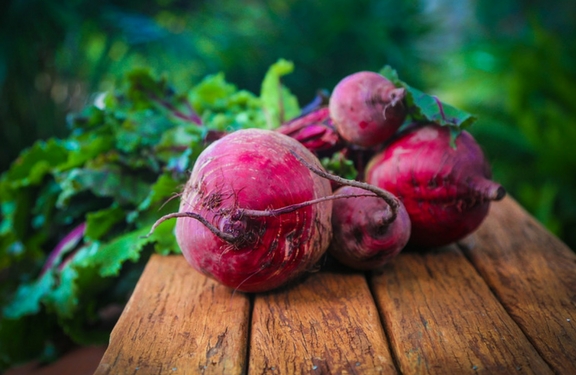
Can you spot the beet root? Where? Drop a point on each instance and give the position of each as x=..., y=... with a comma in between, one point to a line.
x=315, y=131
x=364, y=238
x=366, y=108
x=447, y=191
x=233, y=233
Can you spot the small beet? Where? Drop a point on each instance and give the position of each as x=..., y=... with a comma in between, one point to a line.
x=364, y=238
x=367, y=109
x=446, y=190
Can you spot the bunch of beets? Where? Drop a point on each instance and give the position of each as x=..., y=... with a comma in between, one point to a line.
x=259, y=210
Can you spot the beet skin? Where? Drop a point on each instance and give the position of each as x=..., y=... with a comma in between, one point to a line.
x=367, y=108
x=364, y=239
x=446, y=190
x=234, y=184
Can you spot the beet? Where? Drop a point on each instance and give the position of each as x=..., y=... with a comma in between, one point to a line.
x=366, y=108
x=229, y=227
x=256, y=211
x=315, y=131
x=364, y=238
x=446, y=190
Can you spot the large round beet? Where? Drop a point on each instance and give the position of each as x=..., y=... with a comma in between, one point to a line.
x=446, y=190
x=235, y=186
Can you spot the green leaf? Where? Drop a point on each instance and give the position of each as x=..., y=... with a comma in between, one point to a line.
x=117, y=171
x=109, y=181
x=144, y=89
x=28, y=297
x=223, y=107
x=424, y=107
x=340, y=165
x=164, y=238
x=142, y=129
x=14, y=229
x=166, y=187
x=99, y=223
x=88, y=119
x=428, y=108
x=92, y=268
x=85, y=148
x=278, y=103
x=44, y=206
x=176, y=145
x=212, y=92
x=16, y=213
x=108, y=257
x=34, y=163
x=63, y=299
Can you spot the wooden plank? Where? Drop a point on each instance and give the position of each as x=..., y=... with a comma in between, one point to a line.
x=178, y=321
x=326, y=325
x=441, y=318
x=533, y=274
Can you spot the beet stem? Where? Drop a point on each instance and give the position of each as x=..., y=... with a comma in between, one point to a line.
x=397, y=95
x=247, y=212
x=222, y=235
x=66, y=244
x=297, y=206
x=389, y=198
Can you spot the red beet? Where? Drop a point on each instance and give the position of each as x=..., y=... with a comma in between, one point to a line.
x=446, y=190
x=367, y=108
x=231, y=225
x=364, y=238
x=315, y=131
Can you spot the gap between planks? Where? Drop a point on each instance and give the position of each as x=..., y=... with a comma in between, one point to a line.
x=447, y=310
x=533, y=275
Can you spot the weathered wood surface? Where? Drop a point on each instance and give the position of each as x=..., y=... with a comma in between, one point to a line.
x=442, y=318
x=502, y=301
x=533, y=274
x=178, y=321
x=325, y=325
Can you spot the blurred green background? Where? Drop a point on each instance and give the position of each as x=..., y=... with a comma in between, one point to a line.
x=511, y=62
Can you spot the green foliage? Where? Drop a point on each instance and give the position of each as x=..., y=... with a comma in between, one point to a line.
x=113, y=165
x=523, y=88
x=542, y=104
x=55, y=55
x=422, y=107
x=340, y=165
x=92, y=198
x=283, y=105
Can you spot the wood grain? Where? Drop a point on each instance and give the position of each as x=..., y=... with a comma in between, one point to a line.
x=178, y=321
x=442, y=318
x=534, y=276
x=502, y=301
x=326, y=325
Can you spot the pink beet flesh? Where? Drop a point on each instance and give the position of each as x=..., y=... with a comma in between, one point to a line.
x=366, y=108
x=253, y=169
x=363, y=239
x=446, y=191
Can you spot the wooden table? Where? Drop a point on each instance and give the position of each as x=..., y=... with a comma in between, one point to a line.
x=503, y=301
